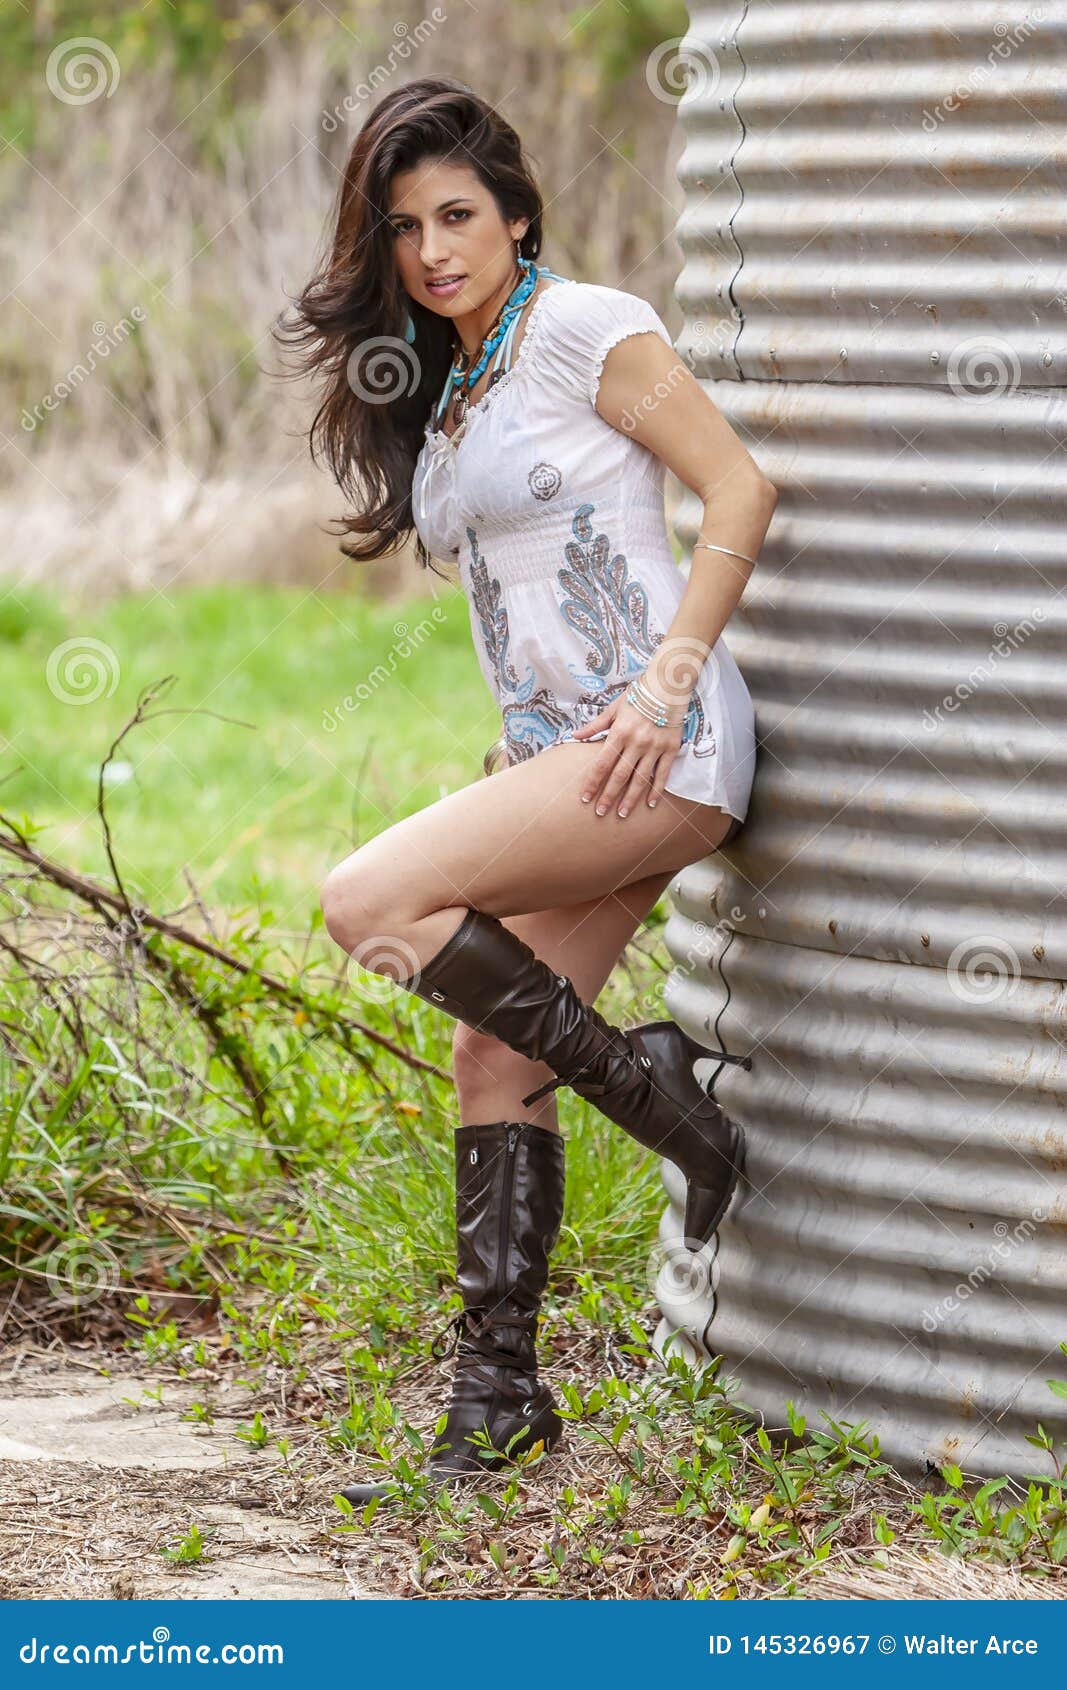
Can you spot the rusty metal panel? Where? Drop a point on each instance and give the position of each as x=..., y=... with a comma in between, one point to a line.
x=893, y=913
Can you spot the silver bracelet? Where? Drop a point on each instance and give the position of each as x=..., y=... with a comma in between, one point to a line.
x=729, y=550
x=651, y=697
x=657, y=718
x=644, y=700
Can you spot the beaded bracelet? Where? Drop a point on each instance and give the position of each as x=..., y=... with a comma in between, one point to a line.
x=654, y=700
x=659, y=721
x=653, y=708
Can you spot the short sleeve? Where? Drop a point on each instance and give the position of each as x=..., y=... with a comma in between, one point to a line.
x=589, y=322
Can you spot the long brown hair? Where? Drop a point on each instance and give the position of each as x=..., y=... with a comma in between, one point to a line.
x=351, y=316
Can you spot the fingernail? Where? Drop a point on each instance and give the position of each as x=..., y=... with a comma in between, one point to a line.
x=652, y=803
x=585, y=797
x=624, y=812
x=600, y=809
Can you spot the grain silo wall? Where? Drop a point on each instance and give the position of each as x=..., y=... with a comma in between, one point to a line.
x=875, y=289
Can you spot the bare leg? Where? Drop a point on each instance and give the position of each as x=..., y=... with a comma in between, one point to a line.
x=515, y=844
x=583, y=941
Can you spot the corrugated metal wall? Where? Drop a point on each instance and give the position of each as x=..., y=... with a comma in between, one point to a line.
x=875, y=283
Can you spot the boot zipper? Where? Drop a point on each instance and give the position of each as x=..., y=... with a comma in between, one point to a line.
x=507, y=1197
x=505, y=1210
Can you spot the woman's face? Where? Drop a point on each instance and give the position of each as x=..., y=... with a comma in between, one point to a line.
x=446, y=223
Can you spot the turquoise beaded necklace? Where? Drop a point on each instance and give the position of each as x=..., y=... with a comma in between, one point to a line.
x=500, y=339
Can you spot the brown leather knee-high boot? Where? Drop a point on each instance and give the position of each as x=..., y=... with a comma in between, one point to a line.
x=489, y=978
x=509, y=1208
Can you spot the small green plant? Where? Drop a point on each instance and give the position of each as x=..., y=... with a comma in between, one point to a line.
x=191, y=1550
x=258, y=1434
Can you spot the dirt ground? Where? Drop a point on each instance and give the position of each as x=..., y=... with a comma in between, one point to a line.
x=93, y=1487
x=99, y=1473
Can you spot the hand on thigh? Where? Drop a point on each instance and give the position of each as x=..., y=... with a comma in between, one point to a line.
x=516, y=843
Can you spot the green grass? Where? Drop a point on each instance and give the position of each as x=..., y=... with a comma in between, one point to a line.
x=252, y=1184
x=274, y=802
x=349, y=1165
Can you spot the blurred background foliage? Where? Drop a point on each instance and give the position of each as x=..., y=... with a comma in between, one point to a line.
x=202, y=38
x=176, y=213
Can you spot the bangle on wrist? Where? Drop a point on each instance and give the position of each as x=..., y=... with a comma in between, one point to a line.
x=729, y=550
x=655, y=709
x=654, y=701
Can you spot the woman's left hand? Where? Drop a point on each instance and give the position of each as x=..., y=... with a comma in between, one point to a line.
x=636, y=758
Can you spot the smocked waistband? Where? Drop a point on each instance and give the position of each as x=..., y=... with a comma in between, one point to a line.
x=531, y=550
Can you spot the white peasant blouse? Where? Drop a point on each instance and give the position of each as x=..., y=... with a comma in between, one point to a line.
x=558, y=524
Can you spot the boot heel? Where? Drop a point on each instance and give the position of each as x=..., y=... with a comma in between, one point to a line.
x=696, y=1052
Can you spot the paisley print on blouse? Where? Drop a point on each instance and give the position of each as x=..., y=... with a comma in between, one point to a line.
x=603, y=603
x=557, y=520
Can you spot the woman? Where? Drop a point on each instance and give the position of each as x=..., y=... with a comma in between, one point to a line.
x=528, y=439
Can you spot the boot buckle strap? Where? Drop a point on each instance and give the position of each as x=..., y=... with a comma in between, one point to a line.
x=456, y=1327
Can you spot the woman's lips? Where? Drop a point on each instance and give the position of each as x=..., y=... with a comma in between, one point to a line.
x=445, y=291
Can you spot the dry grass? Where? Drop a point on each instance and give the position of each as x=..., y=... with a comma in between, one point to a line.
x=180, y=457
x=80, y=1527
